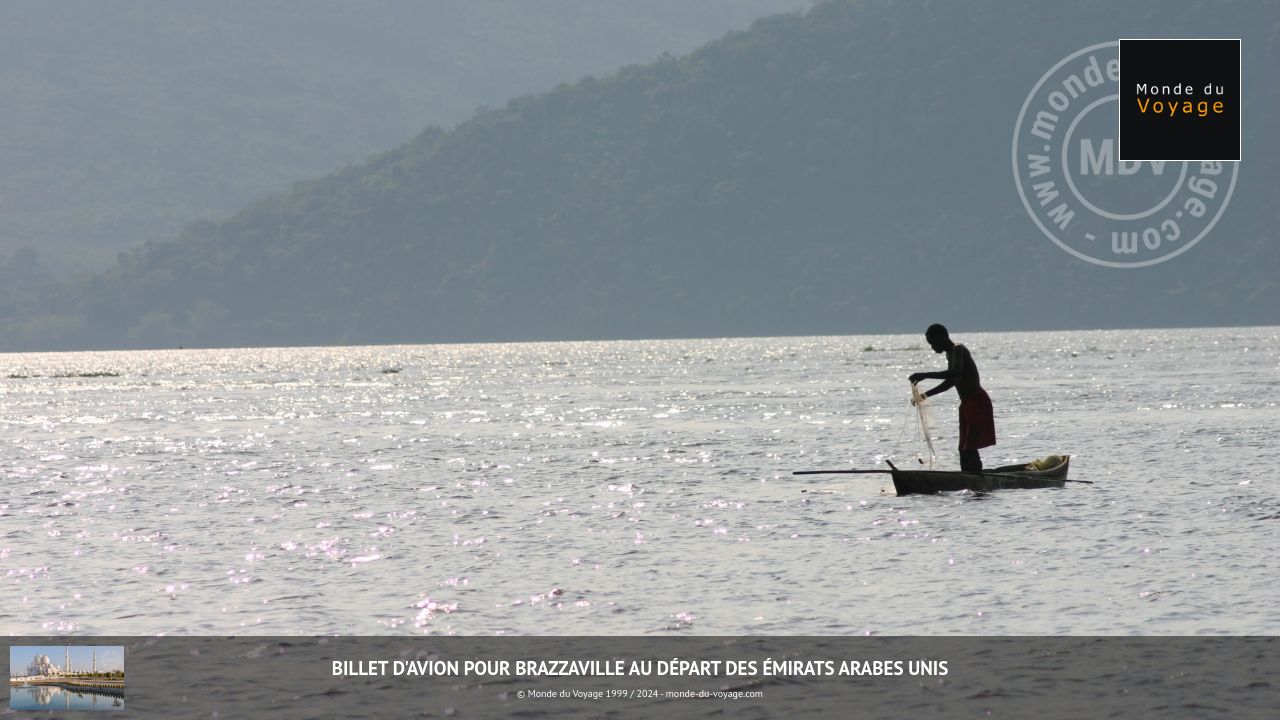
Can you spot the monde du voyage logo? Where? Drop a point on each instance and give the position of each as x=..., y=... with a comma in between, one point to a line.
x=1082, y=196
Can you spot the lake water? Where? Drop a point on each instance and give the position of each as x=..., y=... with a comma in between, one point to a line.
x=637, y=488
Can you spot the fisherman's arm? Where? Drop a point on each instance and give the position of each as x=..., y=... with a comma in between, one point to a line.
x=955, y=362
x=944, y=386
x=940, y=375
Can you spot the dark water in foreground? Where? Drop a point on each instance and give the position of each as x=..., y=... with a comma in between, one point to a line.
x=636, y=488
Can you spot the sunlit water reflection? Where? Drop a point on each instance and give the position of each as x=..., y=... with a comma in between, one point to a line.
x=636, y=487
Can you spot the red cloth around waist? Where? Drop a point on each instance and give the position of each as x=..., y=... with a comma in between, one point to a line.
x=977, y=421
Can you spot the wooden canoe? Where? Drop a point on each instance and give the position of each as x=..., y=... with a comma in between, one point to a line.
x=1008, y=477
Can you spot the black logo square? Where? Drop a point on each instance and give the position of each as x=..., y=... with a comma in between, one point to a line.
x=1179, y=100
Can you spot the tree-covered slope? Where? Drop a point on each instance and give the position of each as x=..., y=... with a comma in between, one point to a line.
x=124, y=121
x=842, y=171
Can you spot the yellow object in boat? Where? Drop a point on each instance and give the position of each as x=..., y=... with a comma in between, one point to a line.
x=1044, y=463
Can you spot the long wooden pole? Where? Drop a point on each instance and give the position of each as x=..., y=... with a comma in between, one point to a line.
x=840, y=472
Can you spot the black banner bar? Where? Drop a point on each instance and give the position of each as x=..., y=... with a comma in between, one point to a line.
x=666, y=677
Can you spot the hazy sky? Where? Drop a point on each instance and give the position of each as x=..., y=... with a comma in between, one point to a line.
x=110, y=657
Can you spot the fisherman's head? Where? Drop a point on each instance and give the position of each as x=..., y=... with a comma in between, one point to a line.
x=938, y=338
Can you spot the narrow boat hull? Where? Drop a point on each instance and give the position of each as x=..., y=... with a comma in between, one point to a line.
x=1009, y=477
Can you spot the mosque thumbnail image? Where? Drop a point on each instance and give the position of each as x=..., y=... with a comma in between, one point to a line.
x=84, y=664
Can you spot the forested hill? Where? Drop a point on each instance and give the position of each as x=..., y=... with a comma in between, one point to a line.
x=846, y=170
x=122, y=122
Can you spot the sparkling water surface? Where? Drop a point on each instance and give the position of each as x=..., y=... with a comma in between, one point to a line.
x=639, y=487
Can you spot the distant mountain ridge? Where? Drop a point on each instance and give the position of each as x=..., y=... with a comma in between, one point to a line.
x=845, y=170
x=125, y=121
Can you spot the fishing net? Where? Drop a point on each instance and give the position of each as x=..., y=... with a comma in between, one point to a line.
x=924, y=420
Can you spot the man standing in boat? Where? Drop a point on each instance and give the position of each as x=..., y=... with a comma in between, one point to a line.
x=977, y=420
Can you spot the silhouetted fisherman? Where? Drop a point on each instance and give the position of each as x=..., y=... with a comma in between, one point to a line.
x=977, y=420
